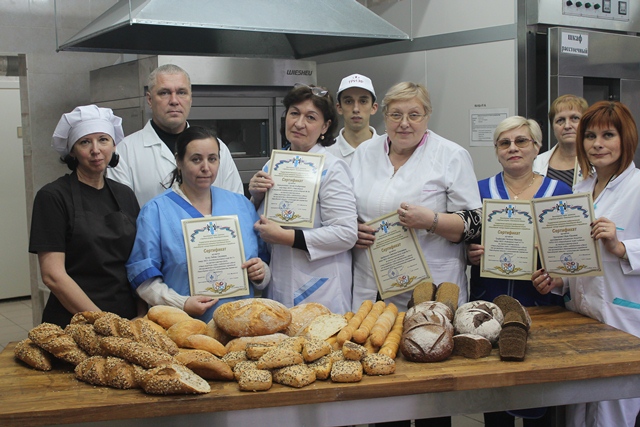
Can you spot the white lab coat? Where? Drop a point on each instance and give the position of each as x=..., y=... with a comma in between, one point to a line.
x=146, y=163
x=614, y=298
x=322, y=275
x=438, y=175
x=342, y=149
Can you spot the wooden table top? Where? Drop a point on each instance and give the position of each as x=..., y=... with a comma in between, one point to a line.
x=562, y=346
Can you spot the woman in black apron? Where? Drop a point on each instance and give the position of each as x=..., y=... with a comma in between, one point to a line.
x=83, y=224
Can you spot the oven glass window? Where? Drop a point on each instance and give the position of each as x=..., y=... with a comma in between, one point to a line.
x=244, y=137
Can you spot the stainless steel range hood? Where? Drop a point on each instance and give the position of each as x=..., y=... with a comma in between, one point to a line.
x=249, y=28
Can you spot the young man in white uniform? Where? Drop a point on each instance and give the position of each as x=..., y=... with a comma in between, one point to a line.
x=146, y=156
x=356, y=103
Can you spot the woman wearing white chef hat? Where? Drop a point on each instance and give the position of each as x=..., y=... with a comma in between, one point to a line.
x=83, y=224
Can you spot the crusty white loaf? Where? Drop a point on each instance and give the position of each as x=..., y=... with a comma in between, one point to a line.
x=205, y=364
x=302, y=315
x=173, y=379
x=166, y=316
x=480, y=318
x=180, y=331
x=252, y=317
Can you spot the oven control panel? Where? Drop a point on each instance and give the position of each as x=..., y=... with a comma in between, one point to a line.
x=617, y=10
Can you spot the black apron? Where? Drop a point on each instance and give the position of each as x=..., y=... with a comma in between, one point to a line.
x=95, y=258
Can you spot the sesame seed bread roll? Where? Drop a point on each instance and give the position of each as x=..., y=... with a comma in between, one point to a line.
x=378, y=364
x=294, y=376
x=354, y=323
x=361, y=334
x=53, y=339
x=32, y=355
x=173, y=379
x=255, y=380
x=346, y=371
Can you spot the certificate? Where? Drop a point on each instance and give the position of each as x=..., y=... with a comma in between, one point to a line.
x=564, y=235
x=508, y=237
x=396, y=257
x=292, y=199
x=214, y=256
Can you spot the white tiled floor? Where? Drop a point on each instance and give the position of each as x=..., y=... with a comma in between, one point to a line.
x=16, y=321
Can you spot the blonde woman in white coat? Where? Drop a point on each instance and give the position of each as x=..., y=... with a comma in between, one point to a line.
x=606, y=143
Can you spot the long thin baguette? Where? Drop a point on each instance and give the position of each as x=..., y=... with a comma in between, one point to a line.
x=354, y=323
x=371, y=349
x=392, y=342
x=361, y=334
x=349, y=315
x=383, y=325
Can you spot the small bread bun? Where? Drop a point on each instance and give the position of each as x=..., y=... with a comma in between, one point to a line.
x=378, y=364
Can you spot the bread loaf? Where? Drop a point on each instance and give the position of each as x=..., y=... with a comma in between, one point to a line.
x=509, y=304
x=423, y=292
x=471, y=346
x=252, y=317
x=302, y=315
x=152, y=336
x=440, y=307
x=448, y=293
x=427, y=337
x=205, y=364
x=513, y=342
x=294, y=376
x=86, y=317
x=86, y=337
x=314, y=349
x=240, y=344
x=136, y=352
x=166, y=316
x=180, y=331
x=32, y=355
x=173, y=379
x=52, y=338
x=255, y=380
x=107, y=371
x=346, y=371
x=323, y=327
x=480, y=318
x=216, y=333
x=378, y=364
x=353, y=324
x=278, y=358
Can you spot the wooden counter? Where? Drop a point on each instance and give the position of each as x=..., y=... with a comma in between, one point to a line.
x=570, y=358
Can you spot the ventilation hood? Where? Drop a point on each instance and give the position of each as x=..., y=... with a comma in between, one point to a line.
x=248, y=28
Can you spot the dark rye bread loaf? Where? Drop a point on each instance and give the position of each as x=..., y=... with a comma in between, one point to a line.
x=448, y=293
x=252, y=317
x=424, y=291
x=471, y=346
x=509, y=304
x=427, y=337
x=513, y=342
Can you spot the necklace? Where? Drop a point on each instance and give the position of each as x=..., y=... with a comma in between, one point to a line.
x=515, y=195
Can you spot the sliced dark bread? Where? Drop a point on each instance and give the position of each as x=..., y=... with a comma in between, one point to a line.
x=448, y=293
x=424, y=291
x=471, y=346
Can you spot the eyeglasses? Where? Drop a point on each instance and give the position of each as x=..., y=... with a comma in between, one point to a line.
x=411, y=117
x=520, y=141
x=317, y=91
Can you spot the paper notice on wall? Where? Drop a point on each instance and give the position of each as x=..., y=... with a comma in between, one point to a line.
x=483, y=123
x=574, y=44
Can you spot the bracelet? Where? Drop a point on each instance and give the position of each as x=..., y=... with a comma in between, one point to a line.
x=434, y=224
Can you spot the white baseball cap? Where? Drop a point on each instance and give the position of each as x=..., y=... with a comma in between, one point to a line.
x=357, y=80
x=82, y=121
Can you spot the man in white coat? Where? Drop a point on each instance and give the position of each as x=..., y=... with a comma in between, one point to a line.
x=146, y=156
x=356, y=104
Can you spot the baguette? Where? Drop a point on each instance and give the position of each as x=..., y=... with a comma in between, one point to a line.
x=349, y=315
x=107, y=371
x=32, y=355
x=392, y=342
x=52, y=338
x=205, y=342
x=371, y=349
x=354, y=323
x=361, y=334
x=136, y=352
x=383, y=325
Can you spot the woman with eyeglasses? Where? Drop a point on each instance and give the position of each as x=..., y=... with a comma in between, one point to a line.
x=560, y=162
x=517, y=141
x=312, y=264
x=606, y=143
x=422, y=176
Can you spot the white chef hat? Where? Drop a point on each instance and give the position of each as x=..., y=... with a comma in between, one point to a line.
x=357, y=80
x=82, y=121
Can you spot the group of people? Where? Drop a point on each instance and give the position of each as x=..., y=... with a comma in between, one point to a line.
x=109, y=237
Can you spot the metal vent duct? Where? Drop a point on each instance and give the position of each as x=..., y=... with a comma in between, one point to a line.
x=248, y=28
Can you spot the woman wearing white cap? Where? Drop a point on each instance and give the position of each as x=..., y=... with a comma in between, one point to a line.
x=84, y=224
